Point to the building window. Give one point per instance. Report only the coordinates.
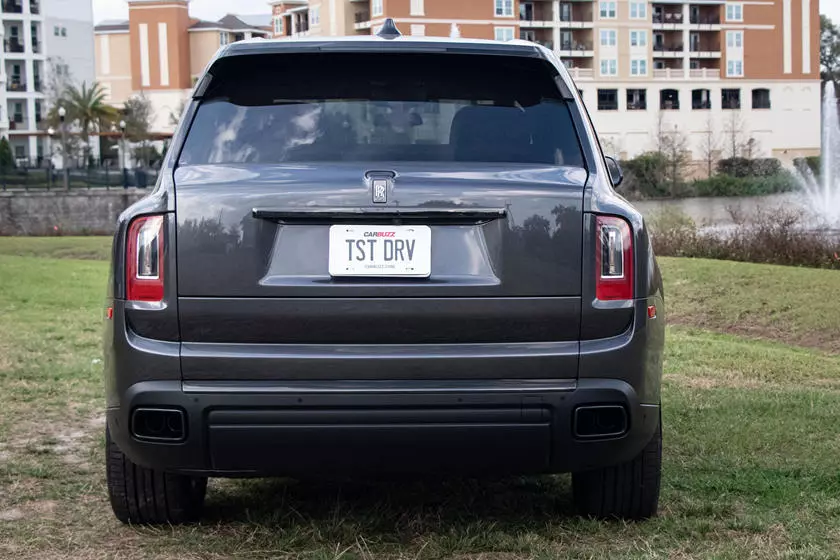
(734, 69)
(608, 37)
(609, 67)
(504, 8)
(638, 38)
(418, 30)
(638, 10)
(504, 33)
(417, 8)
(224, 38)
(636, 99)
(278, 25)
(315, 16)
(734, 39)
(669, 100)
(606, 9)
(376, 8)
(608, 100)
(701, 99)
(731, 98)
(56, 31)
(64, 32)
(734, 11)
(761, 98)
(639, 67)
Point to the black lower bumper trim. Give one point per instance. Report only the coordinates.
(307, 430)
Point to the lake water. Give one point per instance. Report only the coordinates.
(715, 212)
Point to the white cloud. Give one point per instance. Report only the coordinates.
(203, 9)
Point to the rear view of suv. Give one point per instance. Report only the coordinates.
(383, 255)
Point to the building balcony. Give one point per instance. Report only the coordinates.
(569, 50)
(12, 7)
(535, 23)
(361, 20)
(667, 20)
(668, 51)
(16, 85)
(704, 73)
(705, 53)
(578, 73)
(13, 46)
(668, 74)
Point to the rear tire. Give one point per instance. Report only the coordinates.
(629, 490)
(148, 496)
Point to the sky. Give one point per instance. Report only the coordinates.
(215, 9)
(202, 9)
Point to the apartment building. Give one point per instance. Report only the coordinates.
(713, 72)
(39, 36)
(160, 51)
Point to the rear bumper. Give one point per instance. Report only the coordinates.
(337, 428)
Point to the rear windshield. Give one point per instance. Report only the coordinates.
(382, 107)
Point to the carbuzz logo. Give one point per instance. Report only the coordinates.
(380, 191)
(380, 234)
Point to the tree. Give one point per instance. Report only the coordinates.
(734, 134)
(7, 160)
(175, 115)
(829, 51)
(709, 145)
(86, 110)
(672, 145)
(138, 115)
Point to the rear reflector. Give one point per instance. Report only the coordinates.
(144, 259)
(613, 258)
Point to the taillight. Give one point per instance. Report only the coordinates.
(144, 259)
(613, 259)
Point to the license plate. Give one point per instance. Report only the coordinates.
(389, 251)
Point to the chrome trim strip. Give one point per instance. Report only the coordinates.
(366, 386)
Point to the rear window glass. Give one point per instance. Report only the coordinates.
(382, 107)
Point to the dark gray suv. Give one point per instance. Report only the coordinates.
(383, 255)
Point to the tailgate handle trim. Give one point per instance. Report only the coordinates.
(448, 216)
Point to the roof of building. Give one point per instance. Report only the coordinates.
(111, 25)
(276, 2)
(231, 22)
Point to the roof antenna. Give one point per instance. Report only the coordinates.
(389, 30)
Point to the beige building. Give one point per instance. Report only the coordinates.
(160, 51)
(705, 67)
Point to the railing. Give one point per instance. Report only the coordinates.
(581, 72)
(705, 73)
(668, 73)
(13, 46)
(676, 18)
(361, 17)
(15, 86)
(575, 47)
(668, 48)
(704, 20)
(11, 7)
(37, 173)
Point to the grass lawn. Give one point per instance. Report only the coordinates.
(752, 441)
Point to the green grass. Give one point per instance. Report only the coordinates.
(95, 248)
(751, 445)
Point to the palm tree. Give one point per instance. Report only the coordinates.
(86, 107)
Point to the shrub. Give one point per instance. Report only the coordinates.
(645, 176)
(770, 236)
(743, 167)
(812, 163)
(727, 185)
(735, 167)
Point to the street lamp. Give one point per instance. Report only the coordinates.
(50, 171)
(62, 114)
(122, 155)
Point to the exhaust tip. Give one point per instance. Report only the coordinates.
(159, 424)
(600, 421)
